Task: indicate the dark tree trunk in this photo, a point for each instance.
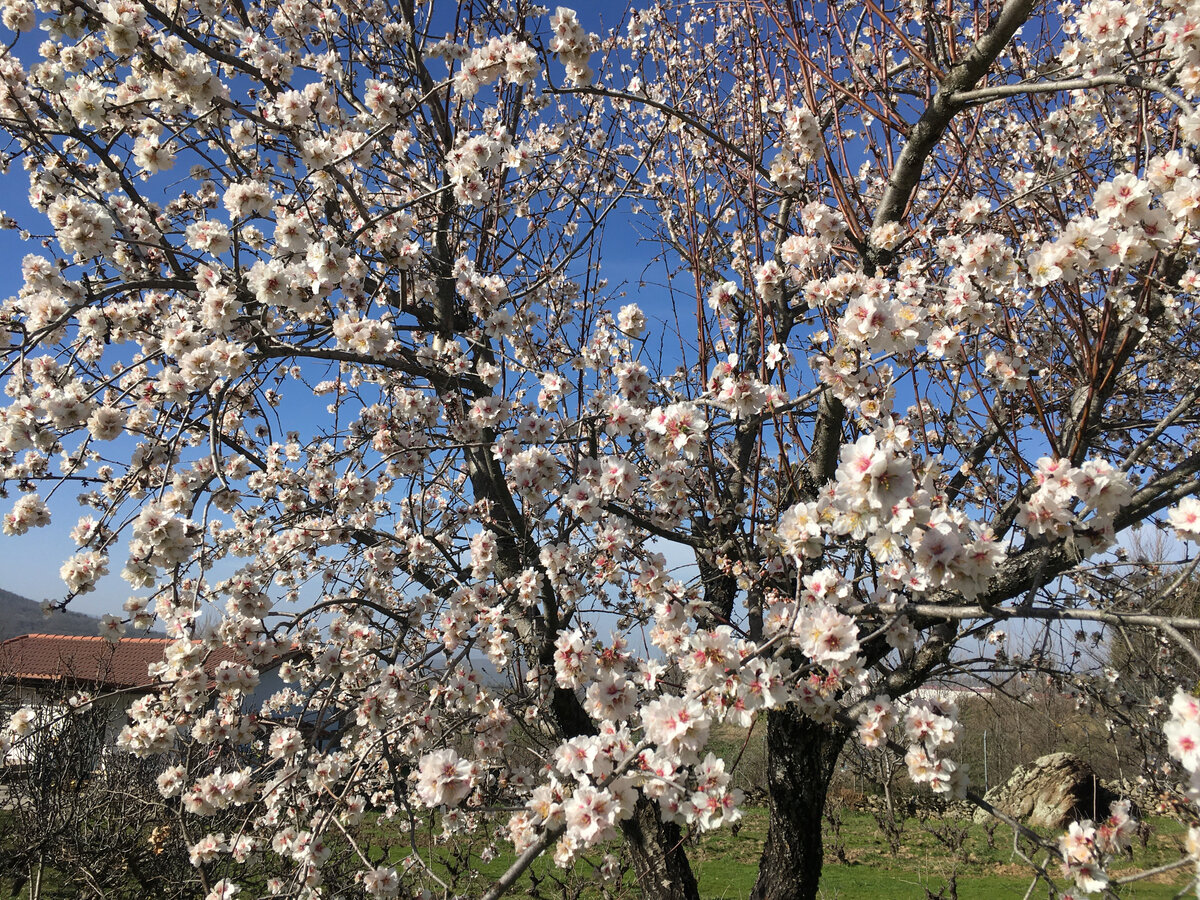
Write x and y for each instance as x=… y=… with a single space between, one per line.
x=659 y=859
x=801 y=757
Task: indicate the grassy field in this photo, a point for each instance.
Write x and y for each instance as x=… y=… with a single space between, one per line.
x=929 y=858
x=934 y=858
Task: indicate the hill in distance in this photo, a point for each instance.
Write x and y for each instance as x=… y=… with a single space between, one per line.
x=20 y=615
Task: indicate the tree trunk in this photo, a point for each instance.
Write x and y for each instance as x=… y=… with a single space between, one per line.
x=659 y=859
x=801 y=756
x=35 y=882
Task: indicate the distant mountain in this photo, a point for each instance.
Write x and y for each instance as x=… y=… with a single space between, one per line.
x=20 y=615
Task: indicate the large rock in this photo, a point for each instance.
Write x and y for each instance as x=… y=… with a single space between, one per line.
x=1051 y=792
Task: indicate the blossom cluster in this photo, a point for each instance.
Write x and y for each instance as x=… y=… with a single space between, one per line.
x=505 y=56
x=1098 y=486
x=876 y=496
x=932 y=727
x=1087 y=847
x=573 y=45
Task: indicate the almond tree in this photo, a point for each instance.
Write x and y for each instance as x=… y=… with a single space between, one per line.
x=332 y=328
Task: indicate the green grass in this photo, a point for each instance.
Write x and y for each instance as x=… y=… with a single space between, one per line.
x=726 y=865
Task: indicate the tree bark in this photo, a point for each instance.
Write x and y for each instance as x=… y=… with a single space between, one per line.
x=801 y=757
x=656 y=847
x=659 y=859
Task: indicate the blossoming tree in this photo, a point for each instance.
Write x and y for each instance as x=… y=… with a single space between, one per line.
x=327 y=327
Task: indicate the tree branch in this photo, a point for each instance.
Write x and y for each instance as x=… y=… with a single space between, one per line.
x=925 y=135
x=1001 y=91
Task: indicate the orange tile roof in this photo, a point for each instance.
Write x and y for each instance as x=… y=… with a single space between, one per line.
x=51 y=657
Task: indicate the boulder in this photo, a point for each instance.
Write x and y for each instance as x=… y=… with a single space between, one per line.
x=1051 y=792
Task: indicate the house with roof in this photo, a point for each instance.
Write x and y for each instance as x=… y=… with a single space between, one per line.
x=46 y=671
x=38 y=661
